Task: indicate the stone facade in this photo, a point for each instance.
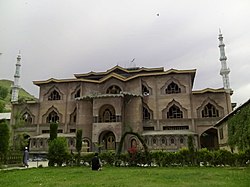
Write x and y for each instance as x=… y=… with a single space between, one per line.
x=160 y=105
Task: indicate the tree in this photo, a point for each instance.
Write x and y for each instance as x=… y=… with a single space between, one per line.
x=4 y=139
x=3 y=95
x=78 y=145
x=53 y=131
x=146 y=152
x=58 y=151
x=17 y=138
x=2 y=106
x=239 y=129
x=3 y=92
x=21 y=141
x=191 y=148
x=190 y=143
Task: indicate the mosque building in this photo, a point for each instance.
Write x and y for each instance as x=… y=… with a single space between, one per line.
x=158 y=104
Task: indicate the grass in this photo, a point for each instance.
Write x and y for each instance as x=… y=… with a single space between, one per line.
x=126 y=177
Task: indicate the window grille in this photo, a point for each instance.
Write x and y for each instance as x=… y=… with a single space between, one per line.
x=54 y=95
x=173 y=88
x=210 y=111
x=174 y=112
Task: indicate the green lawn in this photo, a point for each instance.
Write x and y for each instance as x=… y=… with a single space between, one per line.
x=113 y=176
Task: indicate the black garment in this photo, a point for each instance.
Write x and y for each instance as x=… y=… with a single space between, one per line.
x=25 y=158
x=95 y=163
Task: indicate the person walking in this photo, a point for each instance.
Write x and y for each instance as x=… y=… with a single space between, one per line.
x=26 y=157
x=96 y=163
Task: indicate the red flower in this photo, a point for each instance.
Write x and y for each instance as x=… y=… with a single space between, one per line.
x=132 y=150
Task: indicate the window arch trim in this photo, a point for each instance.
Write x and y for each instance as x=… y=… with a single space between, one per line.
x=54 y=94
x=212 y=102
x=166 y=115
x=182 y=88
x=46 y=115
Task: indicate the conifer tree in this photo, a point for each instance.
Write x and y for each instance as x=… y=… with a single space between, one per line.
x=4 y=139
x=78 y=145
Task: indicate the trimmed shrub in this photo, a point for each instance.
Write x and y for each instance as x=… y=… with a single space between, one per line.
x=58 y=152
x=53 y=131
x=78 y=145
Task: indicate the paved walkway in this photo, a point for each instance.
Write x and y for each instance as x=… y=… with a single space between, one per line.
x=32 y=164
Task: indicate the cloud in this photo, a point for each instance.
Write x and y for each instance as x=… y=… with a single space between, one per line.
x=60 y=38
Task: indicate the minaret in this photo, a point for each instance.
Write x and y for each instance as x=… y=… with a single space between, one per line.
x=15 y=87
x=224 y=71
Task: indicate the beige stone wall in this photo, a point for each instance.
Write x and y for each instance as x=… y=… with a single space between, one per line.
x=129 y=107
x=223 y=138
x=85 y=117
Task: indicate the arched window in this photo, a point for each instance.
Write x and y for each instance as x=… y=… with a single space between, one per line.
x=78 y=93
x=41 y=143
x=71 y=142
x=27 y=118
x=133 y=143
x=73 y=116
x=172 y=88
x=34 y=143
x=54 y=95
x=145 y=90
x=181 y=140
x=146 y=114
x=163 y=141
x=174 y=112
x=154 y=141
x=52 y=117
x=107 y=114
x=172 y=140
x=86 y=145
x=113 y=90
x=210 y=111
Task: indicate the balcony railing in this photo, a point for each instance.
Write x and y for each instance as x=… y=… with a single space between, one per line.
x=111 y=119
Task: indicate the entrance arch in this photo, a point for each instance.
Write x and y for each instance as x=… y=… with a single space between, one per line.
x=209 y=139
x=107 y=139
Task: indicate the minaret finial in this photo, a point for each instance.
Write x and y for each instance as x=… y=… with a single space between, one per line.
x=224 y=69
x=15 y=87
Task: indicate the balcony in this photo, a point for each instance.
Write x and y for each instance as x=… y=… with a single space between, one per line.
x=110 y=119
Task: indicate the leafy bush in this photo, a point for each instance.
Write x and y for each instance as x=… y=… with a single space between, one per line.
x=58 y=152
x=109 y=157
x=204 y=156
x=53 y=131
x=87 y=157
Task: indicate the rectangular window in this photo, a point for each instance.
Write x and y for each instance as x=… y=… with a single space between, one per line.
x=148 y=128
x=221 y=133
x=186 y=127
x=59 y=131
x=72 y=130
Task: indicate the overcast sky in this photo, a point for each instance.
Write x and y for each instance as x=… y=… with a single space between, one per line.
x=58 y=38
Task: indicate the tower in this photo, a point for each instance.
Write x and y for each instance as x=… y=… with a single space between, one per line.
x=224 y=71
x=15 y=87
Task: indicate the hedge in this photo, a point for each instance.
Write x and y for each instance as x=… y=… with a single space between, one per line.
x=184 y=157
